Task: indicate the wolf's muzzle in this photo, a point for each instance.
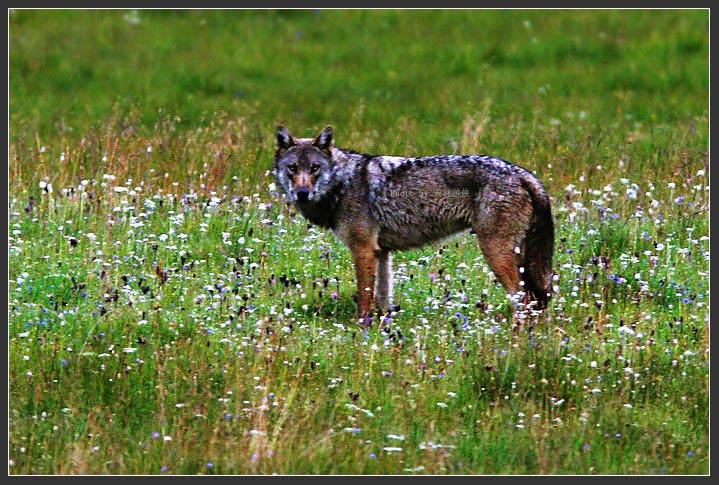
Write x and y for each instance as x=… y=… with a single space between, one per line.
x=302 y=194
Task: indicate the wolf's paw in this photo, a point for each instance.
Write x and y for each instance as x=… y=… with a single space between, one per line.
x=365 y=321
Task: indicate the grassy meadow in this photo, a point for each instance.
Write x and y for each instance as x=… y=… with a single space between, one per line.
x=168 y=313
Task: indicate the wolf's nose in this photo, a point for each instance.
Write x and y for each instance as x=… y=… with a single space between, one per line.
x=303 y=195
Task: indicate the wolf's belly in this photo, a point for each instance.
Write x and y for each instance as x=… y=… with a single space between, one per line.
x=414 y=219
x=395 y=237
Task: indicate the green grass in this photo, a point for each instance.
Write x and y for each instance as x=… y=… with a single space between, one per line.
x=168 y=311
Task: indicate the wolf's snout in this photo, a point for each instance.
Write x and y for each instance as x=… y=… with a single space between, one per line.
x=302 y=194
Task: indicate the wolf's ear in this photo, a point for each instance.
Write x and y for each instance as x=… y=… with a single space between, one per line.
x=325 y=139
x=284 y=139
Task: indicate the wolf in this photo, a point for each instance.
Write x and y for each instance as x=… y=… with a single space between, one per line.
x=378 y=204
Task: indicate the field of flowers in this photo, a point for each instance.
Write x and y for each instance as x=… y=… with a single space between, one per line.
x=169 y=313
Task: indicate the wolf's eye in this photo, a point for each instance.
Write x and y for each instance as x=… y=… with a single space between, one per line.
x=315 y=167
x=292 y=168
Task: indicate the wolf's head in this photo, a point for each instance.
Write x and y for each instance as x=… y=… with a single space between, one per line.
x=303 y=166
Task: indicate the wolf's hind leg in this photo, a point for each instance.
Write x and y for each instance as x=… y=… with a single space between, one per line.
x=503 y=261
x=501 y=229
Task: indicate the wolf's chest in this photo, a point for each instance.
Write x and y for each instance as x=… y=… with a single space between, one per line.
x=322 y=213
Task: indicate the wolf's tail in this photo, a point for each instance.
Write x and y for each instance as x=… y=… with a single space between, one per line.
x=538 y=246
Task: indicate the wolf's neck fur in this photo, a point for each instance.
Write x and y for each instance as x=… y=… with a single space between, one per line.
x=322 y=212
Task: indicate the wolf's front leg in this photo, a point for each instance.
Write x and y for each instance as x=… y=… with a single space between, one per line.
x=383 y=286
x=364 y=255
